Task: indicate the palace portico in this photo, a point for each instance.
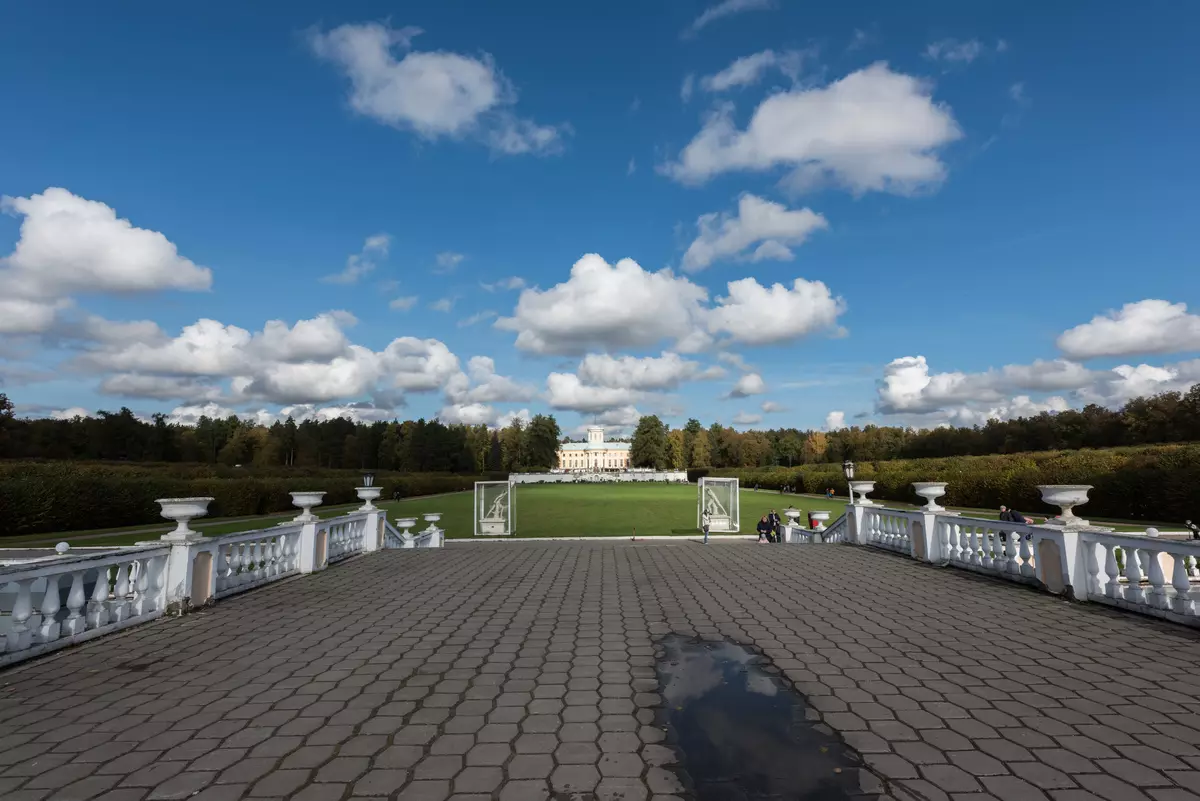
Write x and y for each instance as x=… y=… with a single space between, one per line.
x=595 y=454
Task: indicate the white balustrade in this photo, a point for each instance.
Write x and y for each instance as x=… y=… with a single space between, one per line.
x=889 y=528
x=994 y=547
x=49 y=605
x=1148 y=574
x=838 y=530
x=252 y=558
x=345 y=536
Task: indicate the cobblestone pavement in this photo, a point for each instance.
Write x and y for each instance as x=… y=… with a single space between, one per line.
x=525 y=671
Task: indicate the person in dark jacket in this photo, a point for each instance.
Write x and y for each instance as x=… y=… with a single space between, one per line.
x=774 y=520
x=764 y=529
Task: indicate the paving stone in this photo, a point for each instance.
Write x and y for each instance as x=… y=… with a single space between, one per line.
x=537 y=673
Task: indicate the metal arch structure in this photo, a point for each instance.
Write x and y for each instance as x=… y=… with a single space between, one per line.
x=719 y=497
x=495 y=510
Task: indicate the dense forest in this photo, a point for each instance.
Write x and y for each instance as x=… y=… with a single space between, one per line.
x=431 y=446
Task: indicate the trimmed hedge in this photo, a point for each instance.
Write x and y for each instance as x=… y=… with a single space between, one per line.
x=1156 y=482
x=38 y=497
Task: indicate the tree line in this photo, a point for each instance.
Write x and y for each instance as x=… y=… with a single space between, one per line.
x=416 y=446
x=431 y=446
x=1164 y=418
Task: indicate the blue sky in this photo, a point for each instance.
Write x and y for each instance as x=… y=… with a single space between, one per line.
x=1003 y=189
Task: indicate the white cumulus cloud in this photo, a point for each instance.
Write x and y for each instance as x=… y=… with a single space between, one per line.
x=69 y=245
x=873 y=130
x=616 y=307
x=1147 y=326
x=432 y=93
x=771 y=226
x=749 y=384
x=648 y=373
x=835 y=421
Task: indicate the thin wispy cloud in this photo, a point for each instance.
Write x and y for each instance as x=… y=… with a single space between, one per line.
x=447 y=262
x=474 y=319
x=374 y=249
x=727 y=8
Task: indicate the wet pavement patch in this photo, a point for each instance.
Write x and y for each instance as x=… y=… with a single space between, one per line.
x=742 y=733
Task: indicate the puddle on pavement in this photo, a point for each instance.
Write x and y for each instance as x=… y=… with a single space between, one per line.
x=741 y=732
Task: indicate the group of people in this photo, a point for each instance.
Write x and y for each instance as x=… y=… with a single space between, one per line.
x=769 y=528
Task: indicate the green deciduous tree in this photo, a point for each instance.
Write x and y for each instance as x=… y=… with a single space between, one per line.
x=649 y=447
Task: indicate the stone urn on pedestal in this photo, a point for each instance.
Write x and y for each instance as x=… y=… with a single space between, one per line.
x=1066 y=497
x=404 y=524
x=862 y=488
x=367 y=495
x=931 y=491
x=181 y=511
x=306 y=501
x=435 y=533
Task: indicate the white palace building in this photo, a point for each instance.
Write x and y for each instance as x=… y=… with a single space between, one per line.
x=595 y=454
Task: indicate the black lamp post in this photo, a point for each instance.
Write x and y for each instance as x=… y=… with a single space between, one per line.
x=848 y=470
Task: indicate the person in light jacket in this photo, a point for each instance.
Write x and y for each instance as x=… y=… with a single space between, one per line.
x=704 y=524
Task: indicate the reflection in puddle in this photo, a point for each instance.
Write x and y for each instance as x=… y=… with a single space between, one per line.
x=741 y=732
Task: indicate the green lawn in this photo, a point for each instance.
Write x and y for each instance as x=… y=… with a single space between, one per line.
x=549 y=510
x=603 y=510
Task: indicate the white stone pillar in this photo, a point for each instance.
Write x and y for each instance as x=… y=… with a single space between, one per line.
x=854 y=514
x=309 y=559
x=373 y=533
x=933 y=538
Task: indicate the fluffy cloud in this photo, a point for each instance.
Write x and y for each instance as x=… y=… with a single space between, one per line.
x=208 y=347
x=873 y=130
x=359 y=264
x=771 y=407
x=746 y=419
x=908 y=388
x=434 y=93
x=480 y=384
x=747 y=385
x=726 y=8
x=69 y=245
x=1147 y=326
x=835 y=421
x=649 y=373
x=772 y=226
x=748 y=70
x=613 y=307
x=471 y=414
x=567 y=391
x=806 y=308
x=606 y=307
x=160 y=387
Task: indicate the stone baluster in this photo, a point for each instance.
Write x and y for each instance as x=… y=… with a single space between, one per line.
x=989 y=547
x=1157 y=596
x=260 y=563
x=76 y=598
x=1182 y=602
x=20 y=634
x=964 y=544
x=975 y=549
x=141 y=601
x=118 y=604
x=1113 y=588
x=1027 y=568
x=1092 y=565
x=235 y=565
x=272 y=549
x=158 y=582
x=1009 y=562
x=97 y=608
x=1133 y=576
x=221 y=568
x=48 y=628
